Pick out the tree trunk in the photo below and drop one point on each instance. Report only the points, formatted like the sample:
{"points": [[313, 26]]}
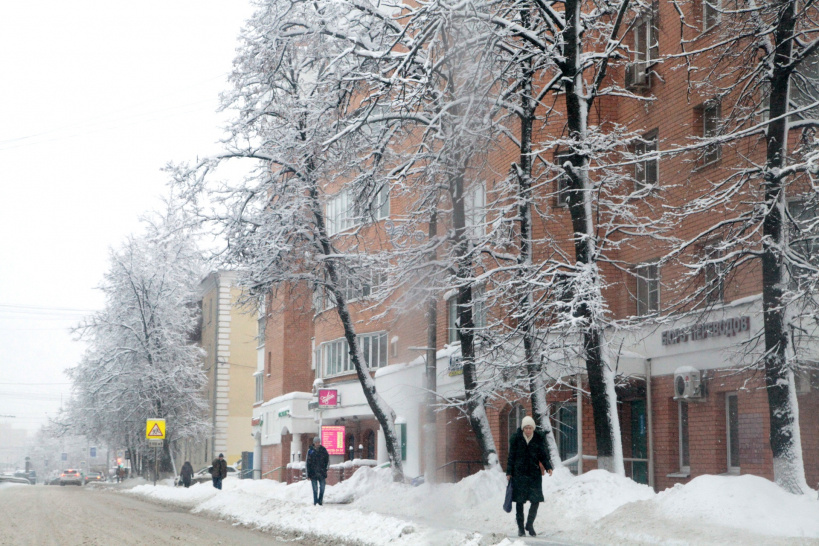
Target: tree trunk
{"points": [[789, 471], [381, 411], [475, 401], [540, 408], [601, 378]]}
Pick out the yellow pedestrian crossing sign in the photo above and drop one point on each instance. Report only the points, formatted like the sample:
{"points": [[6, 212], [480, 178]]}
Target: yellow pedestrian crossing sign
{"points": [[155, 429]]}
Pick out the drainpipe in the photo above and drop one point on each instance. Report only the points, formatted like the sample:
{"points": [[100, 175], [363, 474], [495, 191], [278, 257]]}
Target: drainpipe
{"points": [[650, 424], [215, 367], [579, 394]]}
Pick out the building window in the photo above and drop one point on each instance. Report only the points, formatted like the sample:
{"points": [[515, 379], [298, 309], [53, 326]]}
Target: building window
{"points": [[646, 172], [732, 431], [334, 356], [479, 306], [646, 50], [452, 319], [803, 90], [714, 278], [710, 13], [648, 289], [566, 428], [342, 213], [685, 459], [259, 387], [803, 238], [374, 347], [563, 180], [516, 415], [710, 115], [475, 210]]}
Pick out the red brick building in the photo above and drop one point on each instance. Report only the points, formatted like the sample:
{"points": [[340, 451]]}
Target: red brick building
{"points": [[699, 412]]}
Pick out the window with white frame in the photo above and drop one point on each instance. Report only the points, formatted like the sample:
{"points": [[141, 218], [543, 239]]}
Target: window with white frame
{"points": [[475, 210], [367, 282], [714, 277], [803, 91], [259, 387], [646, 172], [478, 313], [648, 289], [646, 50], [334, 356], [803, 240], [732, 431], [710, 13], [711, 118], [343, 213], [685, 458], [479, 306], [452, 319]]}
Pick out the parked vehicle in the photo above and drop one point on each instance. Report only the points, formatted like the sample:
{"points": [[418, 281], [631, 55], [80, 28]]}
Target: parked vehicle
{"points": [[94, 477], [203, 475], [70, 476]]}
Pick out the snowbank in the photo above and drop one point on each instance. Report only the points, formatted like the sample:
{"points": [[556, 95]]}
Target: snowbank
{"points": [[595, 508]]}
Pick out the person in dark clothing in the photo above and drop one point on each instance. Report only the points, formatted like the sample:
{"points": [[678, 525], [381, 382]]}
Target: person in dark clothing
{"points": [[218, 471], [527, 451], [317, 462], [186, 474]]}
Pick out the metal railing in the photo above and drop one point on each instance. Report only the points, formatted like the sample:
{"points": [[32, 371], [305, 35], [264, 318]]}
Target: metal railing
{"points": [[249, 474], [454, 465], [269, 472]]}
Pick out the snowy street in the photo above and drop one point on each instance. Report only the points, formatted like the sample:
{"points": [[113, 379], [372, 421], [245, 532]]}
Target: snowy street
{"points": [[368, 509], [64, 516]]}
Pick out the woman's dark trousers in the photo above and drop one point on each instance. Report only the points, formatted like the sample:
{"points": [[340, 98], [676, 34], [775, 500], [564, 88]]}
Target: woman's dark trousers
{"points": [[530, 520]]}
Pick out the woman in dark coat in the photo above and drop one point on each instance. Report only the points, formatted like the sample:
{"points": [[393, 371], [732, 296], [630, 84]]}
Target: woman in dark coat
{"points": [[527, 451], [186, 473]]}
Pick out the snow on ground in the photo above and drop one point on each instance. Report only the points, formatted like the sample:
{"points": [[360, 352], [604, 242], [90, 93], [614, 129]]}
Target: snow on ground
{"points": [[594, 508]]}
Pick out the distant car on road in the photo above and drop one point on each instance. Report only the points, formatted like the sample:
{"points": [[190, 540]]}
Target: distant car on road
{"points": [[94, 477], [70, 476], [31, 476]]}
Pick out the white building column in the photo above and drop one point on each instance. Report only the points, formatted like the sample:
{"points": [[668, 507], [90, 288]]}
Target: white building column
{"points": [[295, 447], [257, 457]]}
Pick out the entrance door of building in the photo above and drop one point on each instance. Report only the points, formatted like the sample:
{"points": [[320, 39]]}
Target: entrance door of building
{"points": [[639, 441]]}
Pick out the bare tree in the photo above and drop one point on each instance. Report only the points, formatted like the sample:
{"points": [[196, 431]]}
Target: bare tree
{"points": [[142, 361], [293, 85], [757, 61]]}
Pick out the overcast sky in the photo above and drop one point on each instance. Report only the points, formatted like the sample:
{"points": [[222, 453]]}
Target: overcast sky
{"points": [[95, 98]]}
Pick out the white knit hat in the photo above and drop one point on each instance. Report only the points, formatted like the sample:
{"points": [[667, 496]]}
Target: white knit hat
{"points": [[527, 421]]}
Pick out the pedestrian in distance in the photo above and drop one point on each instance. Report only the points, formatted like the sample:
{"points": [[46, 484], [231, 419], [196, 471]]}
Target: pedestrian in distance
{"points": [[218, 471], [317, 462], [527, 452], [186, 474]]}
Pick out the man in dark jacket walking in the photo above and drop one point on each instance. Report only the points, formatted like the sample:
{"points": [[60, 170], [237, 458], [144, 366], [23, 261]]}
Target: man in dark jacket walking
{"points": [[186, 474], [218, 471], [317, 462], [527, 451]]}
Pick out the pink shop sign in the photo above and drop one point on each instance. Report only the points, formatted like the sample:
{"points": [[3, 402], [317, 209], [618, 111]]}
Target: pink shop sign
{"points": [[327, 398]]}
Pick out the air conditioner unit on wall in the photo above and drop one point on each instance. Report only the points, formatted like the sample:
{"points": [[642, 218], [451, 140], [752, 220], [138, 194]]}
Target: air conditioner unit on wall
{"points": [[687, 384]]}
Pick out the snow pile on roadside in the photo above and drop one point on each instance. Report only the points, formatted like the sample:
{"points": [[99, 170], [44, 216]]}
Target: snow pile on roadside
{"points": [[596, 507], [748, 502]]}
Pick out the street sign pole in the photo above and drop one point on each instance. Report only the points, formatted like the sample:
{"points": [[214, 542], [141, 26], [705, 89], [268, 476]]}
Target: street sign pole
{"points": [[155, 433]]}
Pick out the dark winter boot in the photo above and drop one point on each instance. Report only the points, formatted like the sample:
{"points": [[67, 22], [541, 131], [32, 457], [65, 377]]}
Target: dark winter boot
{"points": [[519, 518], [530, 521]]}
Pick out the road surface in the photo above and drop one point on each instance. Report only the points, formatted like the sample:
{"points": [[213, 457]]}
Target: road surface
{"points": [[64, 516]]}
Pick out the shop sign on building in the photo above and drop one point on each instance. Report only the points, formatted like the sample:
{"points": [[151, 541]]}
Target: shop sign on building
{"points": [[698, 332], [332, 438], [327, 398]]}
